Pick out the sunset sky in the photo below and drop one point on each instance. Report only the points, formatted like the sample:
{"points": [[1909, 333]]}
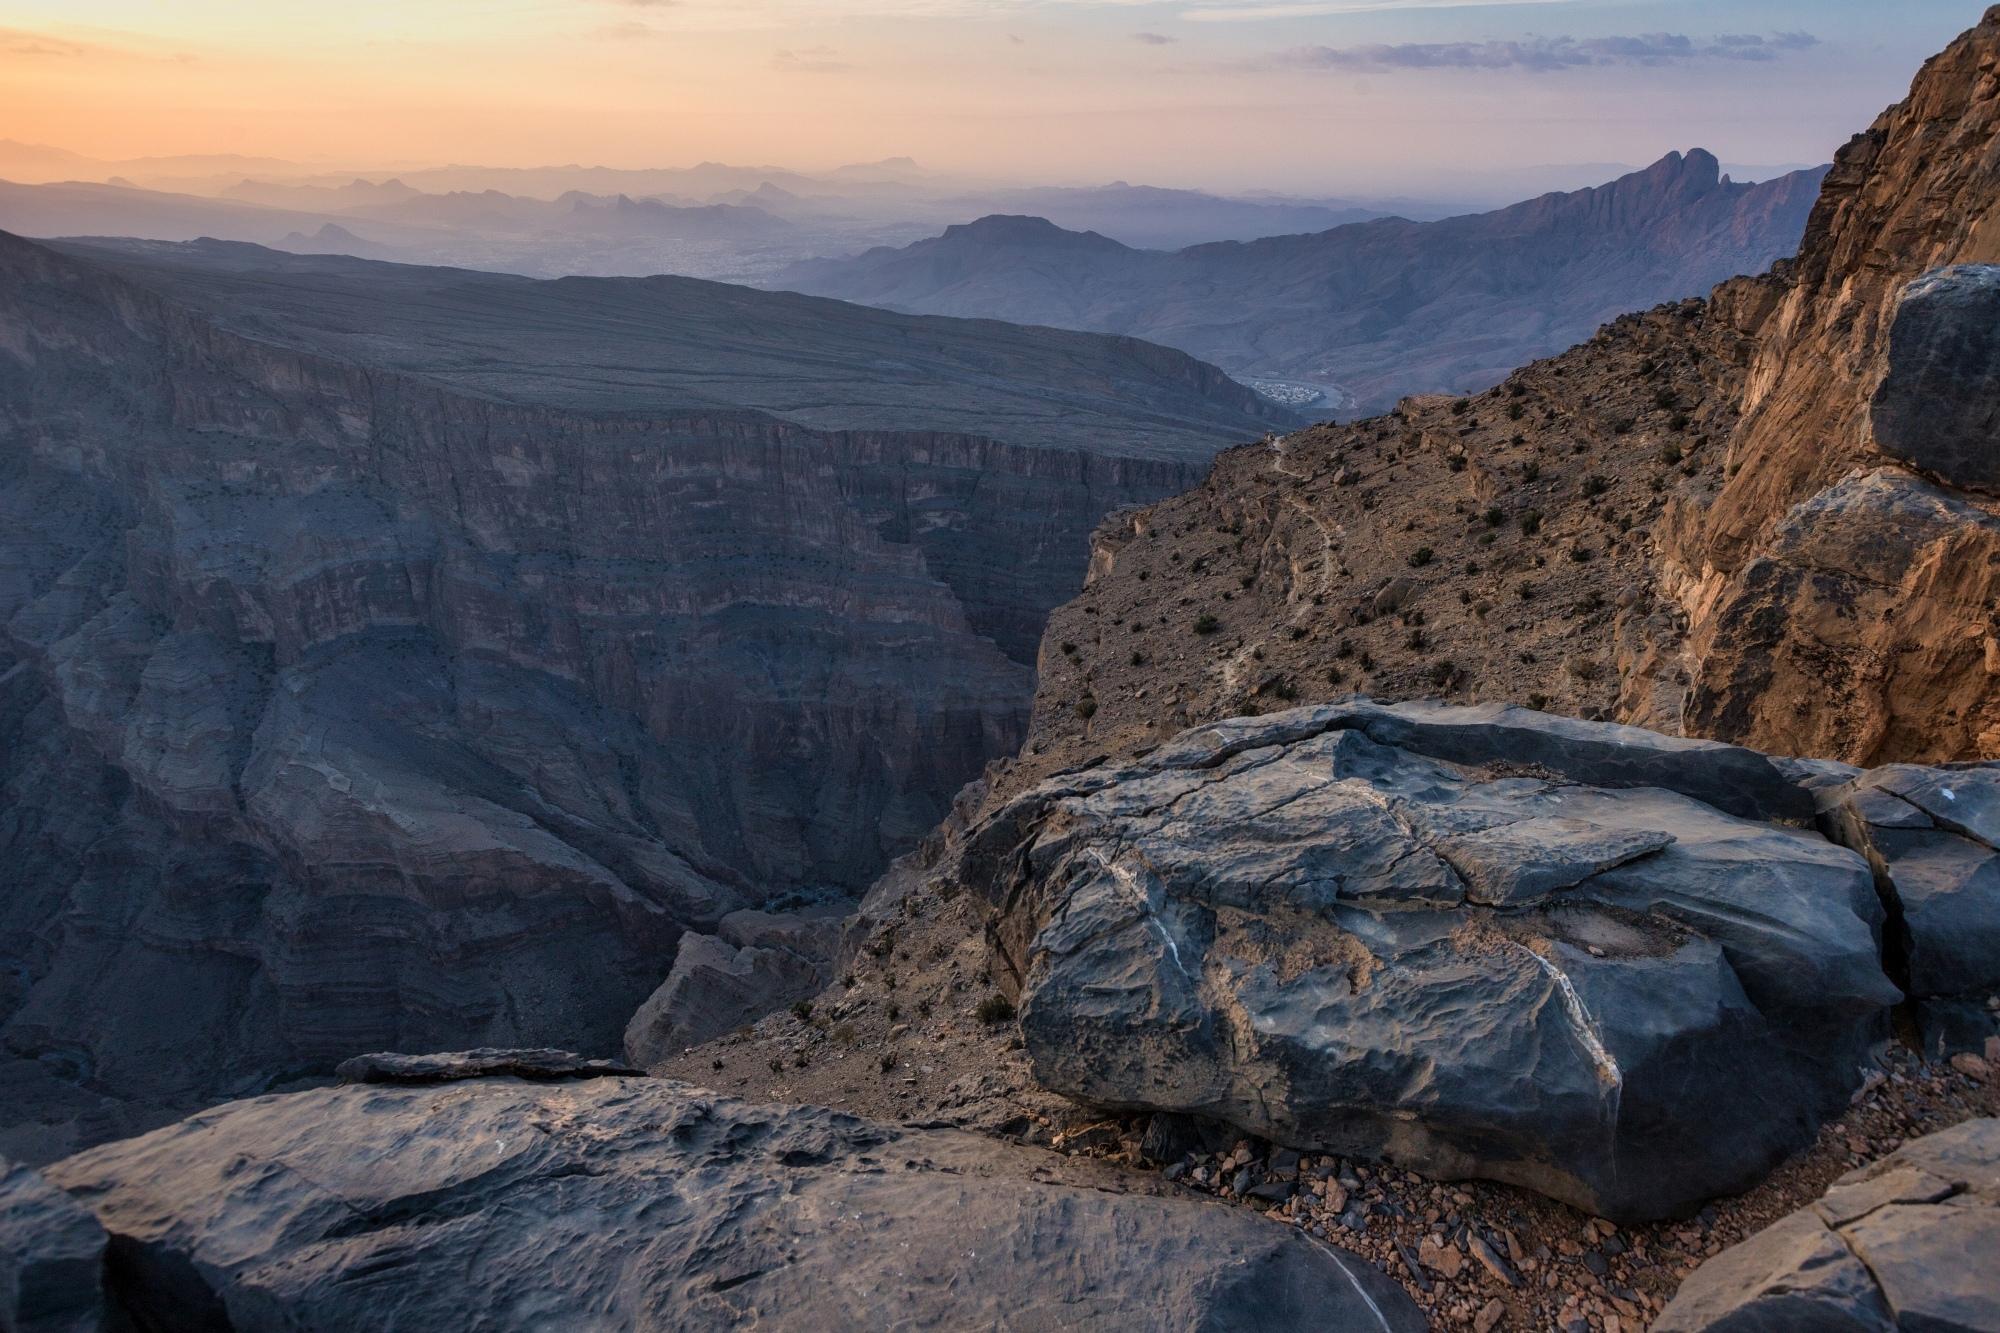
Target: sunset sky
{"points": [[1323, 95]]}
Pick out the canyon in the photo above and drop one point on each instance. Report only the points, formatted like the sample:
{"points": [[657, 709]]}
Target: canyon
{"points": [[1030, 867], [349, 704]]}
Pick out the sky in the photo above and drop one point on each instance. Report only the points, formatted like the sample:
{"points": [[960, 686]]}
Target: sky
{"points": [[1305, 96]]}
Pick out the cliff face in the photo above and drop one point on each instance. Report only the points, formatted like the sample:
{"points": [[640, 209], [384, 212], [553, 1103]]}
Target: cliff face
{"points": [[343, 710], [1841, 586], [1770, 517]]}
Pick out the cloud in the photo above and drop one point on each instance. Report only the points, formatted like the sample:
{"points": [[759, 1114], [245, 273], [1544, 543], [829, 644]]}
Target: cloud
{"points": [[19, 42], [809, 60], [1154, 39], [1545, 54], [1230, 11]]}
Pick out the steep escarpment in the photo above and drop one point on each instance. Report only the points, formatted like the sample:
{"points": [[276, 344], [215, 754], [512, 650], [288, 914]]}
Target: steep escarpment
{"points": [[1768, 517], [1840, 586], [346, 709]]}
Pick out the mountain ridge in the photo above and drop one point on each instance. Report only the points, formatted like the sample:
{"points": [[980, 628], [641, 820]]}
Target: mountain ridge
{"points": [[1368, 311]]}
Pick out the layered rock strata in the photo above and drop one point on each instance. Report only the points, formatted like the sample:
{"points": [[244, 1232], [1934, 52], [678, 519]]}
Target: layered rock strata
{"points": [[342, 709]]}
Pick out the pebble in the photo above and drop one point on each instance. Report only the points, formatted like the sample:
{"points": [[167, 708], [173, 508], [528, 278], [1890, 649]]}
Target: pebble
{"points": [[1490, 1260], [1491, 1316], [1972, 1066]]}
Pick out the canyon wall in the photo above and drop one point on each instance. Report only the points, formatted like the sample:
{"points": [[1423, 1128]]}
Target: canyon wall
{"points": [[341, 709]]}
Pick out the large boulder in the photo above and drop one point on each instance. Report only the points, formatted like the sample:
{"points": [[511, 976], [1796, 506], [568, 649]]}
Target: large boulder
{"points": [[1938, 406], [1930, 835], [755, 963], [1904, 1243], [1478, 942], [51, 1258], [631, 1202]]}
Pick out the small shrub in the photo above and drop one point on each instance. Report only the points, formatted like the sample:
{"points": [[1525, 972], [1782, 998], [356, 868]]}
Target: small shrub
{"points": [[1580, 554], [995, 1010], [888, 1062], [1671, 454], [1594, 485], [1494, 516], [1086, 707], [1538, 701], [1530, 522], [802, 1010], [1206, 624], [1421, 556], [1069, 649]]}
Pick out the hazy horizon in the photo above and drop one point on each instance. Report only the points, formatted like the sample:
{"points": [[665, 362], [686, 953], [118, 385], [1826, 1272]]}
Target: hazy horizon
{"points": [[1311, 97]]}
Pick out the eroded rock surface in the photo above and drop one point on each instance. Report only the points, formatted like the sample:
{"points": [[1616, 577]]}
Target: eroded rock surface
{"points": [[1905, 1243], [643, 1203], [51, 1258], [1475, 941]]}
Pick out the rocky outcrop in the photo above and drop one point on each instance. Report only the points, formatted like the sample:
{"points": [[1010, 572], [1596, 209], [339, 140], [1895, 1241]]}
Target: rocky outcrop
{"points": [[51, 1258], [1905, 1243], [1874, 371], [756, 962], [635, 1202], [1619, 968], [346, 709]]}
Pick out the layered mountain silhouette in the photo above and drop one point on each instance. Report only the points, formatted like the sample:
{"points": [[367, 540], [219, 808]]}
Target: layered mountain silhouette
{"points": [[1367, 312]]}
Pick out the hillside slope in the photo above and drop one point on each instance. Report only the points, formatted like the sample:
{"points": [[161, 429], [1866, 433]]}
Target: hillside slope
{"points": [[1367, 312]]}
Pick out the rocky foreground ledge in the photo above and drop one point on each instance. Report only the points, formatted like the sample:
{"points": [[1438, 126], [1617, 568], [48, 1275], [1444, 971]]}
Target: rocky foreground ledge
{"points": [[493, 1200]]}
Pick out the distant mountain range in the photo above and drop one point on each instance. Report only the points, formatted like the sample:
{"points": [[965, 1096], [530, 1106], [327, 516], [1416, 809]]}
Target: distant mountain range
{"points": [[1368, 312]]}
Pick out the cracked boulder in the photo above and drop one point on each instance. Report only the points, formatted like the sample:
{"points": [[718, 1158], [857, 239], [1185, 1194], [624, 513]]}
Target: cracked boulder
{"points": [[1931, 835], [641, 1203], [1905, 1243], [1474, 941]]}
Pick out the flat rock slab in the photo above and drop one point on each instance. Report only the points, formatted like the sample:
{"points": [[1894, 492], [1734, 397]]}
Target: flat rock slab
{"points": [[1475, 941], [642, 1203], [1905, 1243], [450, 1066]]}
